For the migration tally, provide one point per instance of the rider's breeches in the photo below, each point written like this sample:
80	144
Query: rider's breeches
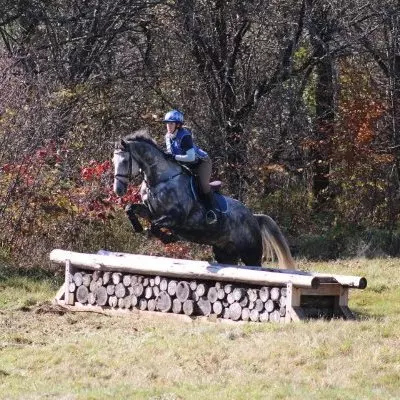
204	171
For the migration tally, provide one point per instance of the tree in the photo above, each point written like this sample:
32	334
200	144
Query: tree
236	71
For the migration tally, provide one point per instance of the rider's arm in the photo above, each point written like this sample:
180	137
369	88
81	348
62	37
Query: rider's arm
187	146
190	156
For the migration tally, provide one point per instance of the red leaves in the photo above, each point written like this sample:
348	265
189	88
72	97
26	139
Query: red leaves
177	250
95	170
40	181
97	199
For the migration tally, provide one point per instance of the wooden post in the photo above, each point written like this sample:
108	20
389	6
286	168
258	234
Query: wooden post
343	304
68	297
293	309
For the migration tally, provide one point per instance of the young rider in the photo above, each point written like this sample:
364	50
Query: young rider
179	142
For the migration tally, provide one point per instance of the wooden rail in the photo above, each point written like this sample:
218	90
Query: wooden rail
190	269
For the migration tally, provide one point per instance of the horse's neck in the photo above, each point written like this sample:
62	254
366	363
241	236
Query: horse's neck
155	168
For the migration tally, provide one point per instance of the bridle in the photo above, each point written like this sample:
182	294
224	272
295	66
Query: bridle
126	178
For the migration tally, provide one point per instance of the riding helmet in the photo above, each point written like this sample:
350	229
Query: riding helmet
174	116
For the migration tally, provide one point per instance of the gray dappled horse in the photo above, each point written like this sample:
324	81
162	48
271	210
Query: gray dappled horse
170	201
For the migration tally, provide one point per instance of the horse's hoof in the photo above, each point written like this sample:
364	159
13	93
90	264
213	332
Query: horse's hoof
128	208
136	225
138	229
147	232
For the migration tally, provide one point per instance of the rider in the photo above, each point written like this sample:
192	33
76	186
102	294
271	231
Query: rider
179	141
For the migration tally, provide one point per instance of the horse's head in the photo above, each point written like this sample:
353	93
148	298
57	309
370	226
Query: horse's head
125	167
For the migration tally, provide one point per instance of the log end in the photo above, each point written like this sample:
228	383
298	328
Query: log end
363	283
315	282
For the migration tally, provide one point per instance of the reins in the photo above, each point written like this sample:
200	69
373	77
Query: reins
152	187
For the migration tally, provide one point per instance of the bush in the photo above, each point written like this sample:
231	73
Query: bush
348	242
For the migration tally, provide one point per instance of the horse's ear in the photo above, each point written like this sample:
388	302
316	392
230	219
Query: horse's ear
122	144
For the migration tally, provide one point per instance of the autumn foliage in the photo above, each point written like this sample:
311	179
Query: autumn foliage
42	199
360	155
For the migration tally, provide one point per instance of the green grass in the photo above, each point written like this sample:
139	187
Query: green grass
91	356
22	288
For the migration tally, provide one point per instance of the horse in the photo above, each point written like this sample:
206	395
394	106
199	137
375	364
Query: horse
170	200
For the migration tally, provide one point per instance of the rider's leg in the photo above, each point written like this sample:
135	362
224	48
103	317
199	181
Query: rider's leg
204	171
211	215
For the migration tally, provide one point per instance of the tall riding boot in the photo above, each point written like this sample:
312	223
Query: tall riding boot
211	215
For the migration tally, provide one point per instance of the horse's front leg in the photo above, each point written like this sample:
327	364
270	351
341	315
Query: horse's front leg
165	221
134	210
163	236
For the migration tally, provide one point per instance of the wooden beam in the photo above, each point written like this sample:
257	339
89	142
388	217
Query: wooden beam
150	265
347	313
325	289
356	282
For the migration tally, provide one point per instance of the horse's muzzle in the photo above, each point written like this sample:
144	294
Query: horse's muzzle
120	188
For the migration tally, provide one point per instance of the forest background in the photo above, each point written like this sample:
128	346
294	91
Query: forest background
297	102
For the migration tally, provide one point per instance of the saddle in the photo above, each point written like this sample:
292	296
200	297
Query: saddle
221	204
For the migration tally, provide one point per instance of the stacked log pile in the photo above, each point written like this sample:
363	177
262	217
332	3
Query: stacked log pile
165	294
199	288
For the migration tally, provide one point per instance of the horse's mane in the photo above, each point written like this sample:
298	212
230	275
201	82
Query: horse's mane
143	135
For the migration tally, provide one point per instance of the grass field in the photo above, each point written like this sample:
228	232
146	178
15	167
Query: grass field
45	354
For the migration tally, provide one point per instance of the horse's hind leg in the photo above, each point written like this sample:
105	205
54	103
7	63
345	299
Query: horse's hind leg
252	255
226	255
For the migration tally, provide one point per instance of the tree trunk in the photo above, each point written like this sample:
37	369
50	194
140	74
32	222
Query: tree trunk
321	29
323	129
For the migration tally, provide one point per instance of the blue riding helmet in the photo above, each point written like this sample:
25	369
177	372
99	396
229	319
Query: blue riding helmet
174	116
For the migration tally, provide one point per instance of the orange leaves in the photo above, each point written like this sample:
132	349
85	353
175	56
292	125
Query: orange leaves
359	118
43	185
360	110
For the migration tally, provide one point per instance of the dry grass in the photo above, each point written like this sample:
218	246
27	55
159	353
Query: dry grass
92	356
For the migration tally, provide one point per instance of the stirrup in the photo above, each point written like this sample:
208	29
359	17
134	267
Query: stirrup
211	217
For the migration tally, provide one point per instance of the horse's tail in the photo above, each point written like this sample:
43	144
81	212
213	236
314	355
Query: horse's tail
272	236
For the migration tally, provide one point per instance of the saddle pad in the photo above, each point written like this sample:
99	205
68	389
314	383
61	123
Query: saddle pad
220	200
222	204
